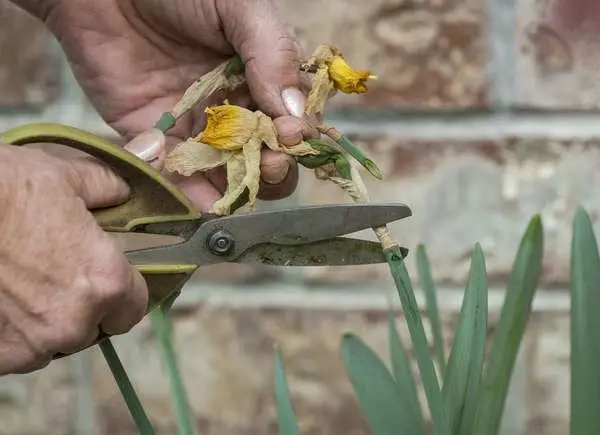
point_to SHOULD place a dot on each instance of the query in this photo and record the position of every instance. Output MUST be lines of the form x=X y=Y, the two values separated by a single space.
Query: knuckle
x=71 y=334
x=112 y=279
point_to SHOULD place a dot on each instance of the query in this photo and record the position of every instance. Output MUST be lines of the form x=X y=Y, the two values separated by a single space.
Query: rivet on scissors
x=220 y=242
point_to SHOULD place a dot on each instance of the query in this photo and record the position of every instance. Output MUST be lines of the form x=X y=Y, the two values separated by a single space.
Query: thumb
x=269 y=51
x=96 y=184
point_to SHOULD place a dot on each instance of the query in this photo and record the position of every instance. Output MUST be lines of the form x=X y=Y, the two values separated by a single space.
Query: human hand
x=135 y=58
x=62 y=279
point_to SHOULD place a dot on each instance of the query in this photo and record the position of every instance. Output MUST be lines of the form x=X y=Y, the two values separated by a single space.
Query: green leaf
x=162 y=328
x=131 y=399
x=507 y=339
x=382 y=402
x=419 y=339
x=286 y=418
x=404 y=378
x=585 y=327
x=463 y=376
x=426 y=280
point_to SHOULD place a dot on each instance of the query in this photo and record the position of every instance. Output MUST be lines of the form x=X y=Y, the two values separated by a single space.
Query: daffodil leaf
x=343 y=166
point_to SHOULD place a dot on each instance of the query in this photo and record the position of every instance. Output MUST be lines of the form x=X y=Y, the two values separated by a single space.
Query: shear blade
x=340 y=251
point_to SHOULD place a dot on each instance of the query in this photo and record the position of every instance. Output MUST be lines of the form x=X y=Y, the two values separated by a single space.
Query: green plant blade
x=585 y=327
x=162 y=328
x=507 y=338
x=465 y=365
x=419 y=339
x=286 y=418
x=426 y=280
x=380 y=399
x=404 y=378
x=131 y=399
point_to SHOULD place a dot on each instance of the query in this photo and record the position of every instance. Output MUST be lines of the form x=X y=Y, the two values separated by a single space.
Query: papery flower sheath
x=233 y=137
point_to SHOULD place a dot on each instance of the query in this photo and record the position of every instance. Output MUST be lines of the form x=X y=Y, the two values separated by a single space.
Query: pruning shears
x=304 y=236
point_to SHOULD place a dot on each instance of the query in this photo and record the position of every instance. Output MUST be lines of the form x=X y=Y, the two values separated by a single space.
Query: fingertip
x=294 y=101
x=149 y=146
x=291 y=131
x=279 y=176
x=274 y=166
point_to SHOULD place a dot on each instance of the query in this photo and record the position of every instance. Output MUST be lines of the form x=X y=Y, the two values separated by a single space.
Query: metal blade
x=299 y=226
x=304 y=224
x=340 y=251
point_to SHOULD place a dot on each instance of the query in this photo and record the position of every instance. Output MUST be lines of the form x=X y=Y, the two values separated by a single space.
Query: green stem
x=235 y=66
x=166 y=121
x=421 y=349
x=162 y=328
x=133 y=402
x=351 y=149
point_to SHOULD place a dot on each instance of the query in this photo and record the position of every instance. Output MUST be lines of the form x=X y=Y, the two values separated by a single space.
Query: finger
x=292 y=131
x=149 y=146
x=127 y=310
x=279 y=175
x=269 y=51
x=218 y=178
x=96 y=184
x=198 y=190
x=20 y=361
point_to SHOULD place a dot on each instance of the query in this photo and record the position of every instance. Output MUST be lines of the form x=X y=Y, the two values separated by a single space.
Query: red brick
x=557 y=55
x=428 y=54
x=467 y=192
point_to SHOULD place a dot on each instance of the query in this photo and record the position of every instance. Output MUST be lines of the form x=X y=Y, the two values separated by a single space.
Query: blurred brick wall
x=485 y=112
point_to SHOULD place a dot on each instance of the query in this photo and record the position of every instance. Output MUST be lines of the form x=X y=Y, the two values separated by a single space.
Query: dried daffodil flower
x=346 y=79
x=233 y=137
x=333 y=74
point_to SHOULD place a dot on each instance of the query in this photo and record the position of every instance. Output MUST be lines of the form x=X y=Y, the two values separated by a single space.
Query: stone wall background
x=485 y=113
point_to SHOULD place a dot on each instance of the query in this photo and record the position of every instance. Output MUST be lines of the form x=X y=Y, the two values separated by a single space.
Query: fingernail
x=294 y=101
x=147 y=145
x=275 y=173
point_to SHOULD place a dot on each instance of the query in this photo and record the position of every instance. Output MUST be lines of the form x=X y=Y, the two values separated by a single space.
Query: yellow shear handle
x=153 y=198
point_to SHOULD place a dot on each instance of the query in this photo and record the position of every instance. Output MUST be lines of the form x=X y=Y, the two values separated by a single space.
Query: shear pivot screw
x=220 y=242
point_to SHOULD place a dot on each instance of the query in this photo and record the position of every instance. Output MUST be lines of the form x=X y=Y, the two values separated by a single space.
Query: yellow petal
x=346 y=79
x=228 y=127
x=192 y=156
x=321 y=90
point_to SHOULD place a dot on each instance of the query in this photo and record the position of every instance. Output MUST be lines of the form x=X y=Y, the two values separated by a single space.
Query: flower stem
x=352 y=149
x=133 y=402
x=162 y=328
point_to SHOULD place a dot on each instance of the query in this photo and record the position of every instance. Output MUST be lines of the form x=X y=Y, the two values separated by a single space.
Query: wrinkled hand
x=135 y=58
x=62 y=279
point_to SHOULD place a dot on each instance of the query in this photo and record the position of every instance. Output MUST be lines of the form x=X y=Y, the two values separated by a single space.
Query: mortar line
x=301 y=297
x=494 y=126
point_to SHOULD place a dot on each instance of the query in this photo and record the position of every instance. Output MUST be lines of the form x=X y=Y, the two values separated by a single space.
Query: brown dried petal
x=268 y=134
x=236 y=172
x=192 y=156
x=243 y=171
x=324 y=53
x=321 y=90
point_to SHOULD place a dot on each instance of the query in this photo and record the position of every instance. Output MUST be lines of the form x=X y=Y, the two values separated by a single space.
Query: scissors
x=304 y=236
